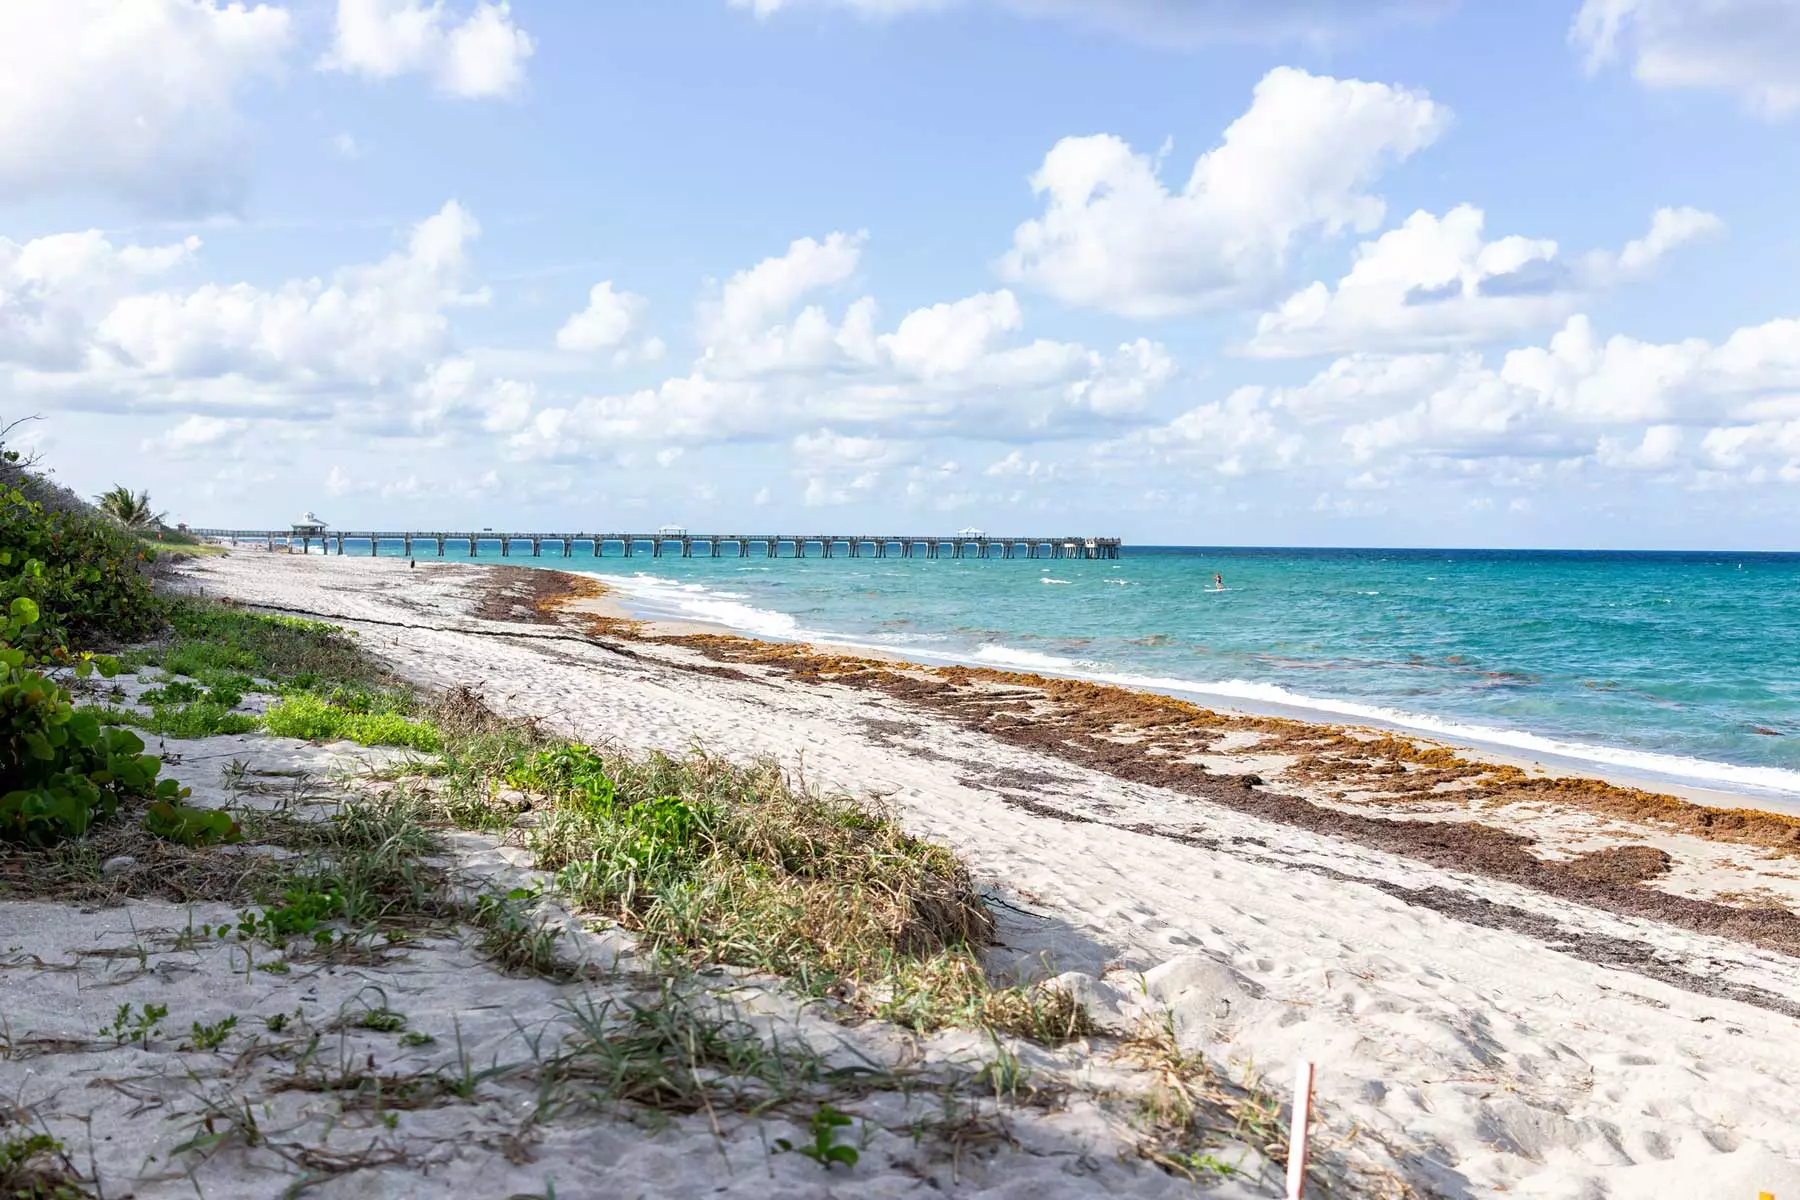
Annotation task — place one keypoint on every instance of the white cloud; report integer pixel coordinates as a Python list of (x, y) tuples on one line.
[(1657, 448), (1749, 47), (53, 289), (1436, 282), (370, 325), (827, 449), (609, 318), (345, 146), (1688, 411), (481, 56), (952, 363), (1234, 436), (1299, 161), (456, 390), (752, 300), (138, 99), (1669, 228), (195, 433), (1013, 464), (1124, 384), (949, 339)]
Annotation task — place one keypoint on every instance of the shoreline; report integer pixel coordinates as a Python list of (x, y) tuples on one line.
[(617, 603)]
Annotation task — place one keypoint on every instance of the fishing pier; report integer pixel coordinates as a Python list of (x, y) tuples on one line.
[(709, 545)]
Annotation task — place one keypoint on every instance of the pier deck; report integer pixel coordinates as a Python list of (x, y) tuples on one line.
[(711, 545)]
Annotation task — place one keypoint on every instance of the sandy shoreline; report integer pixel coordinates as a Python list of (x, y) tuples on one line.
[(617, 604), (1522, 989)]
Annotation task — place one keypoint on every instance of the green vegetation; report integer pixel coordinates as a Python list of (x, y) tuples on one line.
[(211, 1037), (64, 769), (824, 1148), (135, 1025), (316, 719), (711, 861), (223, 647), (132, 511), (191, 826), (35, 1166), (66, 576)]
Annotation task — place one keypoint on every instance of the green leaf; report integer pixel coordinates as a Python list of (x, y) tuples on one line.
[(25, 610)]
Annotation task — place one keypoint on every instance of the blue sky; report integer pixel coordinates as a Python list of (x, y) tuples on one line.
[(1194, 271)]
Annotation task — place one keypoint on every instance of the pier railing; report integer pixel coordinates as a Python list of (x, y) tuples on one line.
[(711, 545)]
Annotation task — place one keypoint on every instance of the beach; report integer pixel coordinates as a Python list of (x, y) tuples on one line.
[(1518, 986)]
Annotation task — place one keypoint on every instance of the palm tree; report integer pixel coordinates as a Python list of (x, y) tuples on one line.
[(133, 512)]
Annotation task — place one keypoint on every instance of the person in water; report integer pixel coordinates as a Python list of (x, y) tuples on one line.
[(1218, 582)]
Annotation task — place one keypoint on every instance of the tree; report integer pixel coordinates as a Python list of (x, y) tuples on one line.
[(131, 511)]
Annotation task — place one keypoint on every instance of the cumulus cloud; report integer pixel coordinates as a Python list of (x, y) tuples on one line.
[(1690, 410), (1299, 161), (776, 364), (1437, 281), (369, 325), (752, 301), (609, 318), (481, 56), (85, 325), (137, 99), (1749, 47), (53, 289)]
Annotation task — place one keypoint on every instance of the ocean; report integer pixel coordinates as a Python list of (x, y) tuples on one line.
[(1682, 666)]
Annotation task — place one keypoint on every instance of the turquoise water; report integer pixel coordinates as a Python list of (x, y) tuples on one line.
[(1684, 665)]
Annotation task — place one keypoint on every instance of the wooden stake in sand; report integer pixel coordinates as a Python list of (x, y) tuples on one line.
[(1296, 1164)]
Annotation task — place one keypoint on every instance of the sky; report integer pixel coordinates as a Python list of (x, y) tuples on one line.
[(1265, 272)]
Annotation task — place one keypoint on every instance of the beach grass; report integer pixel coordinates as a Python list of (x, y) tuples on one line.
[(716, 862), (704, 860)]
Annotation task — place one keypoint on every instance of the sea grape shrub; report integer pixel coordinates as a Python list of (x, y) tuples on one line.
[(85, 576), (61, 770)]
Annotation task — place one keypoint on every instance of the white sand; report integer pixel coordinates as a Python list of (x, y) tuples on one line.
[(1490, 1062)]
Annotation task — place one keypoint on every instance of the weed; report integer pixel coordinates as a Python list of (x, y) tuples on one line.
[(34, 1166), (314, 719), (824, 1150), (211, 1037), (203, 718), (517, 943), (135, 1026), (302, 910), (214, 643), (673, 1055), (1005, 1074), (1191, 1105), (413, 1037), (1203, 1165), (380, 1020), (191, 826), (227, 692)]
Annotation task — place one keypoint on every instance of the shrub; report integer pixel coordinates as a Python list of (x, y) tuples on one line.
[(63, 769), (85, 576)]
